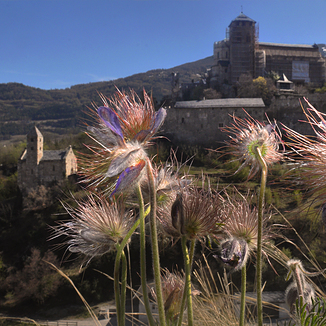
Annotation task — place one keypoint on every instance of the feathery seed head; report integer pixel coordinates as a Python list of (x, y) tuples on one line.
[(299, 287), (172, 292), (234, 253), (241, 230), (192, 213), (311, 151), (97, 225), (246, 135)]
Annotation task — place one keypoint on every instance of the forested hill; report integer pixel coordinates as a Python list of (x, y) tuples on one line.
[(60, 110)]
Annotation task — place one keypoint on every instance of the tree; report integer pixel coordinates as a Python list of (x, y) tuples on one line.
[(259, 87)]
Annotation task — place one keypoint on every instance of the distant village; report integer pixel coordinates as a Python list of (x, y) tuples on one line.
[(199, 122)]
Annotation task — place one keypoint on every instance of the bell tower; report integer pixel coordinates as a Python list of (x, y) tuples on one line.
[(242, 38), (34, 147)]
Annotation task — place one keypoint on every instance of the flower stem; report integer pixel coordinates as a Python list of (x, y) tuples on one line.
[(117, 286), (154, 241), (259, 237), (123, 288), (243, 295), (298, 280), (184, 297), (187, 288), (120, 252), (143, 257)]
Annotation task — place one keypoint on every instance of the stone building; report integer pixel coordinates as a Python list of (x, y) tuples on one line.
[(242, 53), (43, 167), (200, 122)]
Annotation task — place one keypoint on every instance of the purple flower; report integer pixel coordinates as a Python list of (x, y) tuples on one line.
[(126, 125)]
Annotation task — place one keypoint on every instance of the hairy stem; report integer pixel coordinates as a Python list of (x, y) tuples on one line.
[(184, 297), (243, 295), (261, 199), (120, 247), (143, 257), (187, 289), (155, 249), (298, 280), (117, 286), (123, 288)]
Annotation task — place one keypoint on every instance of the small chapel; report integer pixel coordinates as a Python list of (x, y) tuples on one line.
[(38, 167)]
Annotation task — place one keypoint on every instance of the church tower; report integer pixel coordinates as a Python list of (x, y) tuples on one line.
[(242, 40), (34, 151)]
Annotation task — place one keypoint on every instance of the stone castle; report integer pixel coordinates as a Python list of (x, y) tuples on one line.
[(242, 53), (200, 122), (38, 167)]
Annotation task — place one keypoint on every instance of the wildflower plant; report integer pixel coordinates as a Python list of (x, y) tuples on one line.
[(256, 145), (248, 135), (118, 168), (125, 128), (299, 289), (311, 151), (241, 237), (118, 163), (191, 215), (98, 225), (173, 286)]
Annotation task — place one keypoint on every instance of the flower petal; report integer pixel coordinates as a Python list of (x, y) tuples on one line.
[(122, 161), (107, 137), (156, 123), (142, 135), (158, 120), (110, 118), (128, 177)]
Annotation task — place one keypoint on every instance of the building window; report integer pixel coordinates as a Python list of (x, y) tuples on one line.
[(182, 120), (32, 148), (221, 125), (32, 139), (53, 168), (32, 172)]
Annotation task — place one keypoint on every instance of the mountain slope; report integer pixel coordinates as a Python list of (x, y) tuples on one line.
[(60, 110)]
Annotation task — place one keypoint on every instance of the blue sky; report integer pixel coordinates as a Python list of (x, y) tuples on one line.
[(59, 43)]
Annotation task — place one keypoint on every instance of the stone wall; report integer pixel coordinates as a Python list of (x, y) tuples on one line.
[(50, 171), (202, 127), (286, 109)]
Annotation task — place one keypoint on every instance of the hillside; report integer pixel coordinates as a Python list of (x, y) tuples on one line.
[(61, 110)]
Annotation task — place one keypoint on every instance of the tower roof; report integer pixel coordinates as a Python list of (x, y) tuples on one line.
[(242, 18), (35, 132)]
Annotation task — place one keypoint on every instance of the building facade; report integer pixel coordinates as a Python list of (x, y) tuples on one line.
[(43, 167), (200, 122), (242, 53)]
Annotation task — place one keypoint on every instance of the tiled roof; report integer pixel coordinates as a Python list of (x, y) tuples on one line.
[(35, 131), (294, 50), (307, 46), (221, 103), (53, 155)]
